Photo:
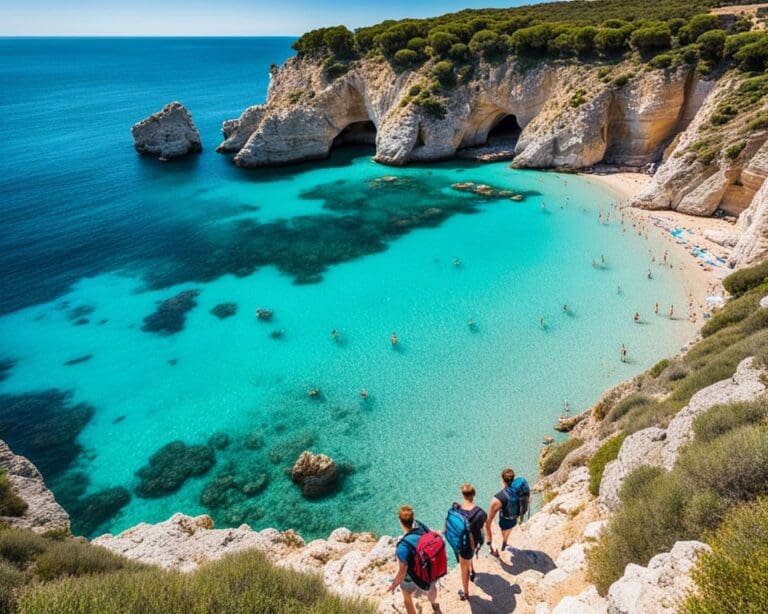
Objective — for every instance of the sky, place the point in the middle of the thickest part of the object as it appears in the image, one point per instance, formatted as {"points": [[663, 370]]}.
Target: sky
{"points": [[211, 17]]}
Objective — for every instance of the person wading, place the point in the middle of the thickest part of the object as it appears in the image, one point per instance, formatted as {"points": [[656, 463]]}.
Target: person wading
{"points": [[422, 560], [464, 532], [511, 503]]}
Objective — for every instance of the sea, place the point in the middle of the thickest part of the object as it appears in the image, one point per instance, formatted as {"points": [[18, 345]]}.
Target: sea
{"points": [[136, 373]]}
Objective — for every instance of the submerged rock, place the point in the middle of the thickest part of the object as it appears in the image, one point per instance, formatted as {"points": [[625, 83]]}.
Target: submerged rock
{"points": [[6, 365], [170, 466], [92, 511], [169, 133], [78, 360], [224, 310], [171, 314], [315, 473]]}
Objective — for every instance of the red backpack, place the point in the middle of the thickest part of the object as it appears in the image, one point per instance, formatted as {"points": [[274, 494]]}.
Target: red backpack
{"points": [[430, 562]]}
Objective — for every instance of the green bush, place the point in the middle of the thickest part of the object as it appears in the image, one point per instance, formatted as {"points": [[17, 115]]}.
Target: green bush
{"points": [[735, 42], [734, 151], [578, 98], [732, 578], [459, 51], [441, 42], [443, 72], [659, 368], [605, 454], [722, 419], [10, 580], [621, 80], [612, 41], [10, 503], [734, 311], [651, 38], [19, 547], [663, 60], [625, 406], [406, 57], [759, 122], [745, 279], [557, 453], [78, 558], [240, 583], [697, 26], [753, 57], [488, 44], [711, 44]]}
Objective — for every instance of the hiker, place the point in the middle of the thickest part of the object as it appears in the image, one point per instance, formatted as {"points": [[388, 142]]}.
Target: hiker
{"points": [[422, 560], [510, 503], [464, 532]]}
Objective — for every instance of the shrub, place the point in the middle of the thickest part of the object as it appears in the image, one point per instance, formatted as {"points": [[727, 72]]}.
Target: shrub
{"points": [[735, 42], [711, 44], [732, 578], [722, 419], [658, 368], [735, 310], [10, 503], [240, 583], [578, 98], [406, 57], [19, 547], [735, 150], [651, 38], [759, 122], [488, 43], [10, 580], [459, 51], [432, 106], [605, 454], [745, 279], [414, 90], [697, 26], [441, 42], [78, 558], [626, 405], [611, 41], [621, 80], [557, 453], [417, 44], [663, 60], [753, 57], [443, 72]]}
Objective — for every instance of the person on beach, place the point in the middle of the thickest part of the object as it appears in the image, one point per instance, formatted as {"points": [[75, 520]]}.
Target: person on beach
{"points": [[393, 339], [464, 532], [406, 551], [623, 353], [511, 503]]}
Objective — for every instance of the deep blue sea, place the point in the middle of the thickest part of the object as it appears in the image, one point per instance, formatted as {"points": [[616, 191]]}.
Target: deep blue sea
{"points": [[100, 372]]}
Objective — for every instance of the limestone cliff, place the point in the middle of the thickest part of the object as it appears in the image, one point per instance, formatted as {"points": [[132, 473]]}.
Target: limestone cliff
{"points": [[566, 115]]}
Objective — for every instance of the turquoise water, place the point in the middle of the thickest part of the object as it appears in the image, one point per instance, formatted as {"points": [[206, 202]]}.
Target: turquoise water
{"points": [[94, 238]]}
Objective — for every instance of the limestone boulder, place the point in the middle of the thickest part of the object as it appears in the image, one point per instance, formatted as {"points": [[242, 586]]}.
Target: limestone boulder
{"points": [[660, 587], [43, 513], [317, 474], [169, 133]]}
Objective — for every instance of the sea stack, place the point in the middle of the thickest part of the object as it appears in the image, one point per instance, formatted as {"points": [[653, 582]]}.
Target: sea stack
{"points": [[315, 473], [169, 133]]}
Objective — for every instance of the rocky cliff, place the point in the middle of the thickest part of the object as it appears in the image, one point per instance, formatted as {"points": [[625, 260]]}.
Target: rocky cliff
{"points": [[556, 115]]}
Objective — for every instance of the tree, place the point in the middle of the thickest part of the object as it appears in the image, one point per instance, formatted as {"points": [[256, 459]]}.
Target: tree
{"points": [[651, 38], [443, 72], [441, 42], [697, 25], [406, 57], [339, 41], [534, 39], [711, 44], [611, 41], [487, 43]]}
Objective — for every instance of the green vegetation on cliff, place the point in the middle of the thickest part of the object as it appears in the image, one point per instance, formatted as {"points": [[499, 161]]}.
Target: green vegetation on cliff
{"points": [[680, 30], [723, 468], [58, 574], [10, 503]]}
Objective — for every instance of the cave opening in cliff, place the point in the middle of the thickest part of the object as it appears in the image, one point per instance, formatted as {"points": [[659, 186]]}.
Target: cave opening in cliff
{"points": [[504, 129], [356, 133]]}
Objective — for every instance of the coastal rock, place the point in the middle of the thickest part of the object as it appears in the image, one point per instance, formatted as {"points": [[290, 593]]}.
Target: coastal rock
{"points": [[317, 474], [752, 228], [169, 133], [43, 513], [307, 114], [639, 449], [356, 566], [586, 602], [659, 588]]}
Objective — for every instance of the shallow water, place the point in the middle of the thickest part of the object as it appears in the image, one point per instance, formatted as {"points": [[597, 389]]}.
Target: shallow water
{"points": [[94, 237]]}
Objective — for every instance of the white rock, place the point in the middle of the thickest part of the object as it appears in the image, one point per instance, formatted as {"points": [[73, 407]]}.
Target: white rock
{"points": [[660, 587], [594, 529], [169, 133], [572, 559], [586, 602]]}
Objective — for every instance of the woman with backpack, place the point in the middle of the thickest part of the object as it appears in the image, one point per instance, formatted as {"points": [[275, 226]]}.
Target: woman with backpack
{"points": [[421, 557], [511, 503], [464, 532]]}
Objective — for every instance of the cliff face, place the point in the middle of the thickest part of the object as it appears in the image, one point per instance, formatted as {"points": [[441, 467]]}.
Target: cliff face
{"points": [[627, 125]]}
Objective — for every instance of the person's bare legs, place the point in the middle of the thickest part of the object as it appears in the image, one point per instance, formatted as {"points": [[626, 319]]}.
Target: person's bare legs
{"points": [[504, 538], [408, 601], [432, 596], [465, 566]]}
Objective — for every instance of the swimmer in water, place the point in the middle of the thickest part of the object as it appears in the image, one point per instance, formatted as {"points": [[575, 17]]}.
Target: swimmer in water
{"points": [[650, 275], [456, 262], [618, 290], [393, 339], [623, 353], [565, 308], [656, 309], [671, 312], [471, 324], [314, 393], [335, 335], [541, 322], [602, 259], [364, 394], [637, 317]]}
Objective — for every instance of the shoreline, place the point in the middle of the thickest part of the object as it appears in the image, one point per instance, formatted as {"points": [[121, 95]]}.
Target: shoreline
{"points": [[701, 280]]}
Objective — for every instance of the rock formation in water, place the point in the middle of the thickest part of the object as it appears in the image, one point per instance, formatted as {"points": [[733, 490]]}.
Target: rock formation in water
{"points": [[169, 133], [317, 474], [43, 513]]}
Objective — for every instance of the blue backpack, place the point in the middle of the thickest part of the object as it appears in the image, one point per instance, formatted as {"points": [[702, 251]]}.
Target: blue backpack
{"points": [[457, 530], [516, 505]]}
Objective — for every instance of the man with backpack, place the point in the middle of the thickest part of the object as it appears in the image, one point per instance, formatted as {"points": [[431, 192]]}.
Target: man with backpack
{"points": [[511, 503], [422, 559], [464, 532]]}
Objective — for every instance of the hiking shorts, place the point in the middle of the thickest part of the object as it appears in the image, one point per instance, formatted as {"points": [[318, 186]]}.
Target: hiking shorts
{"points": [[506, 523], [409, 586]]}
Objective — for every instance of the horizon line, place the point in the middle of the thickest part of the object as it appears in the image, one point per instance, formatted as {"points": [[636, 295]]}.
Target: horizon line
{"points": [[149, 36]]}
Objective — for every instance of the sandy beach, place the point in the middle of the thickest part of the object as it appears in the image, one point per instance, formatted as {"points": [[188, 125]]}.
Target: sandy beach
{"points": [[703, 272]]}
